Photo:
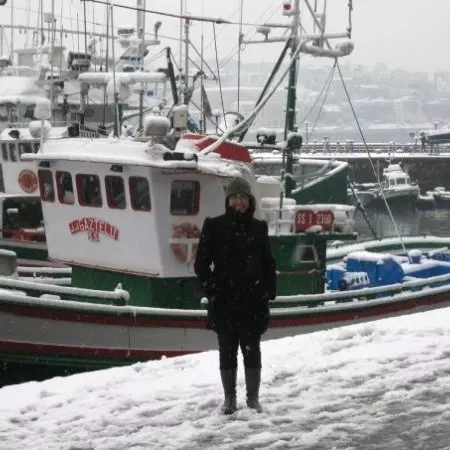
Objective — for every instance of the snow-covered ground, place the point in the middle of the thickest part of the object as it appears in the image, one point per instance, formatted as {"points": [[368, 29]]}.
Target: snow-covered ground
{"points": [[384, 385]]}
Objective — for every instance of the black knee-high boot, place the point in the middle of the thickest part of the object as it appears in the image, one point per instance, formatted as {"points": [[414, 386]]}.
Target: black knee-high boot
{"points": [[253, 381], [229, 389]]}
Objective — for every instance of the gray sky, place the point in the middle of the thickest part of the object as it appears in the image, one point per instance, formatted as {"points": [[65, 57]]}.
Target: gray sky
{"points": [[401, 33]]}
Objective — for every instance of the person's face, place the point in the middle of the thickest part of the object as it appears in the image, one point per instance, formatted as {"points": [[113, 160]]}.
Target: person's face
{"points": [[239, 202]]}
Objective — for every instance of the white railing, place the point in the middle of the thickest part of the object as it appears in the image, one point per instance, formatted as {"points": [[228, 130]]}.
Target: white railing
{"points": [[117, 294], [363, 294]]}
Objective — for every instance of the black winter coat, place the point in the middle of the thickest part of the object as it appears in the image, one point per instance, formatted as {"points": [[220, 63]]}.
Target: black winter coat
{"points": [[236, 270]]}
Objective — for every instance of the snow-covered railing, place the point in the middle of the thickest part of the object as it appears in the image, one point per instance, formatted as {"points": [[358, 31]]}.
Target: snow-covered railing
{"points": [[37, 271], [361, 294], [61, 281], [65, 291]]}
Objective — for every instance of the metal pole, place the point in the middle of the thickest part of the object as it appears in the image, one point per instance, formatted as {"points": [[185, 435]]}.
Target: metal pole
{"points": [[239, 56], [12, 32], [202, 83], [85, 30], [186, 58], [180, 89], [140, 25], [52, 62], [116, 96], [291, 103]]}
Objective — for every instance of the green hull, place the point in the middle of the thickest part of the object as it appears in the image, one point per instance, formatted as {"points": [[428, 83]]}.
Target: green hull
{"points": [[28, 253], [332, 188], [301, 271]]}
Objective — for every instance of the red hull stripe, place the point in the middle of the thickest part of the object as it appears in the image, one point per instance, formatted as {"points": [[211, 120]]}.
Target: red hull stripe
{"points": [[355, 314], [124, 319], [127, 319], [63, 350]]}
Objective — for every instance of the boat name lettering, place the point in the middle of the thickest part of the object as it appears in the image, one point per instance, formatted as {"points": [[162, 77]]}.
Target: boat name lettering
{"points": [[94, 227]]}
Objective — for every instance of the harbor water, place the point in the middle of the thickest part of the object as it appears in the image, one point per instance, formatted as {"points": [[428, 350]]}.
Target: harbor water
{"points": [[409, 221]]}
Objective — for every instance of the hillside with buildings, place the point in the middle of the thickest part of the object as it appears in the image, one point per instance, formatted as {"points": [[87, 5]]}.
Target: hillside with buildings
{"points": [[390, 104]]}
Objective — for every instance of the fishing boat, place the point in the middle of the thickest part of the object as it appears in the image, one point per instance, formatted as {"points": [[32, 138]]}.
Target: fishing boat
{"points": [[441, 197], [141, 201], [395, 188], [39, 72], [125, 215], [315, 180]]}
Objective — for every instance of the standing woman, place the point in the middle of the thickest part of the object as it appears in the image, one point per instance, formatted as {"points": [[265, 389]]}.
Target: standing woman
{"points": [[236, 270]]}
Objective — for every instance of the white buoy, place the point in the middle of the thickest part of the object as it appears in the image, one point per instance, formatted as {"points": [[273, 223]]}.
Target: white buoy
{"points": [[43, 111]]}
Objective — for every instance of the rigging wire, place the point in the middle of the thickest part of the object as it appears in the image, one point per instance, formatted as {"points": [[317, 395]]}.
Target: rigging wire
{"points": [[249, 119], [249, 34], [370, 157], [218, 75], [330, 79], [28, 23], [360, 206], [216, 20], [316, 101], [94, 24]]}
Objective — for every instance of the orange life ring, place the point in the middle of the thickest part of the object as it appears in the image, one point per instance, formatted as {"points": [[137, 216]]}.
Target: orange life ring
{"points": [[181, 251], [28, 181]]}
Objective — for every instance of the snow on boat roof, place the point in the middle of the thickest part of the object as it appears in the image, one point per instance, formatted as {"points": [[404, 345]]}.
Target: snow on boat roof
{"points": [[132, 153], [54, 133], [369, 256]]}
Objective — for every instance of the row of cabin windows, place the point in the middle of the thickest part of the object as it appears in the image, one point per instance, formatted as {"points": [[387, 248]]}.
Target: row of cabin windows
{"points": [[13, 150], [184, 195]]}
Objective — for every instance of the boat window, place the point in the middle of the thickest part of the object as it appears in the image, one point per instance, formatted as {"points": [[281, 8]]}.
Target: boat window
{"points": [[273, 169], [305, 253], [88, 189], [115, 192], [3, 113], [29, 112], [392, 183], [184, 198], [46, 185], [13, 152], [139, 193], [401, 181], [64, 186], [5, 152], [25, 147], [23, 214]]}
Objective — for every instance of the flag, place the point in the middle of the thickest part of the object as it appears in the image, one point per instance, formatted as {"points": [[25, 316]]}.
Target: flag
{"points": [[206, 105]]}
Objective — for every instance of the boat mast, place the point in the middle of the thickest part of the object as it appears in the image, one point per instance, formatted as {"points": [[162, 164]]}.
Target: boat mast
{"points": [[12, 31], [140, 27], [187, 24], [52, 62], [292, 83], [291, 103]]}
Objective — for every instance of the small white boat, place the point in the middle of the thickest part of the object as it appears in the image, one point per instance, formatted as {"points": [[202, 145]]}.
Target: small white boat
{"points": [[396, 188]]}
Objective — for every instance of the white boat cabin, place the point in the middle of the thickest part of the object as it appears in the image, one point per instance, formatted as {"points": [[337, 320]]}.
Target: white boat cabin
{"points": [[128, 206], [138, 207], [16, 175], [394, 177]]}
